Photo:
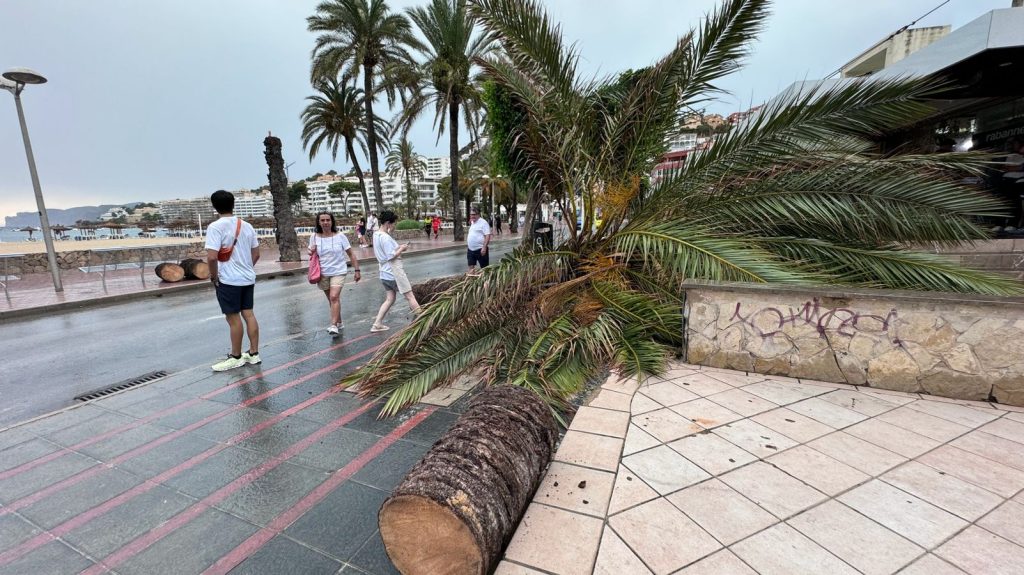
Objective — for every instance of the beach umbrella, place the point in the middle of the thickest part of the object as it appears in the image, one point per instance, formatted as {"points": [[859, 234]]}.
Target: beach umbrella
{"points": [[59, 229], [28, 229]]}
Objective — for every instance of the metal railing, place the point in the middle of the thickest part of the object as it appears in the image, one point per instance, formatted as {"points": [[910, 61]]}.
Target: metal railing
{"points": [[6, 277]]}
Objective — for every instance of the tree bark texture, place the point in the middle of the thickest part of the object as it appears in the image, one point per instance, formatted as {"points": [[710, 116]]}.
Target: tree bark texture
{"points": [[359, 174], [195, 269], [453, 152], [427, 291], [169, 272], [287, 241], [371, 136], [457, 508]]}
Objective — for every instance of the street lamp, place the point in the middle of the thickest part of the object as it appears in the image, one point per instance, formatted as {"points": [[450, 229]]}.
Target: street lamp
{"points": [[14, 82]]}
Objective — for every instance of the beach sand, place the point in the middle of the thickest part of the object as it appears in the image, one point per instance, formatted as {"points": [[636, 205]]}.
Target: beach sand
{"points": [[71, 246]]}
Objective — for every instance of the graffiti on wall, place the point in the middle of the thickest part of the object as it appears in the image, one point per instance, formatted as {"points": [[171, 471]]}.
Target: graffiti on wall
{"points": [[769, 321]]}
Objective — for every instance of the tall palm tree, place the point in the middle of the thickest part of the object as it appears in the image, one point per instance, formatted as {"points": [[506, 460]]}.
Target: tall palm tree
{"points": [[447, 81], [363, 36], [335, 117], [403, 161], [796, 194]]}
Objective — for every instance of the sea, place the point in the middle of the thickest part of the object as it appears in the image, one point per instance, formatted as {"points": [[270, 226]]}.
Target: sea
{"points": [[14, 235]]}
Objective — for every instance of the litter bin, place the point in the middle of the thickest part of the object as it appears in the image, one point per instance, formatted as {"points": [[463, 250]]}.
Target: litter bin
{"points": [[543, 235]]}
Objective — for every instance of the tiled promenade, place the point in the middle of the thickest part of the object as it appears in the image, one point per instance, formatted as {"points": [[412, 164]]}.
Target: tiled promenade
{"points": [[709, 472]]}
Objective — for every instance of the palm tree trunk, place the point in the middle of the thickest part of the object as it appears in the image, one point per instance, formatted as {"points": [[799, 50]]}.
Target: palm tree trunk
{"points": [[453, 150], [410, 203], [287, 241], [371, 136], [359, 174]]}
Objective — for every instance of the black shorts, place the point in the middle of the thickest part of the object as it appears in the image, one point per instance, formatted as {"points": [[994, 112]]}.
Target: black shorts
{"points": [[390, 285], [234, 299], [474, 257]]}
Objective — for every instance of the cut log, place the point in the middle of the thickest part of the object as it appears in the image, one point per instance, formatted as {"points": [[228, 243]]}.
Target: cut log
{"points": [[195, 269], [425, 292], [457, 508], [169, 272]]}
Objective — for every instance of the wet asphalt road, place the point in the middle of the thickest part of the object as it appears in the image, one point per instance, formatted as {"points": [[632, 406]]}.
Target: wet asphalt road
{"points": [[46, 361]]}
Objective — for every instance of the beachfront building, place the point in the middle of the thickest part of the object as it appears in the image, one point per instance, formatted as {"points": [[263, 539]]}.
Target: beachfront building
{"points": [[438, 168], [318, 199], [140, 214], [188, 210], [114, 213], [254, 204]]}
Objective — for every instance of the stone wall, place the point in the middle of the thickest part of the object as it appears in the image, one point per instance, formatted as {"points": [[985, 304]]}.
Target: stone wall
{"points": [[965, 347], [74, 259]]}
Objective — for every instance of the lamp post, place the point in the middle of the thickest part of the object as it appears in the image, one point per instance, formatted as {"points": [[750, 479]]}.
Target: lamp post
{"points": [[14, 81]]}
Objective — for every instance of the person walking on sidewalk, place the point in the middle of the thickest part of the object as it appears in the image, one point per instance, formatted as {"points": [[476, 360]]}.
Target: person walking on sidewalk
{"points": [[331, 247], [372, 225], [476, 242], [361, 232], [232, 250], [435, 225], [389, 256]]}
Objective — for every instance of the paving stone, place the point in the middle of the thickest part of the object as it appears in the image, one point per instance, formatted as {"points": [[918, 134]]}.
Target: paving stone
{"points": [[741, 402], [860, 402], [123, 442], [665, 425], [271, 494], [818, 470], [192, 414], [712, 453], [978, 551], [53, 558], [614, 557], [428, 431], [282, 555], [280, 436], [943, 490], [783, 393], [561, 487], [215, 472], [664, 469], [701, 384], [330, 408], [667, 393], [534, 545], [721, 511], [600, 421], [662, 536], [857, 453], [1007, 429], [166, 455], [966, 416], [1007, 522], [14, 436], [864, 544], [911, 517], [607, 399], [336, 449], [372, 558], [32, 480], [782, 550], [642, 404], [637, 440], [923, 424], [620, 384], [629, 490], [754, 438], [14, 530], [79, 498], [799, 428], [931, 565], [828, 413], [895, 439], [705, 413], [993, 476], [342, 522], [720, 563], [388, 469], [590, 450], [64, 419], [509, 568], [993, 447], [772, 489], [24, 452]]}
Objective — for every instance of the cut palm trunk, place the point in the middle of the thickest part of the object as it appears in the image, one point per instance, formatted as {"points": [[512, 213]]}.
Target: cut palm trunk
{"points": [[195, 269], [427, 291], [457, 508], [169, 272]]}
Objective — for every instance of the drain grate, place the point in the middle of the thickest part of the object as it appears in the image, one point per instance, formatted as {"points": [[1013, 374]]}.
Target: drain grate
{"points": [[97, 393]]}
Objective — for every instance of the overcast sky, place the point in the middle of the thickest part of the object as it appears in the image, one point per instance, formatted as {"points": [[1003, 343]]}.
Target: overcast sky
{"points": [[152, 100]]}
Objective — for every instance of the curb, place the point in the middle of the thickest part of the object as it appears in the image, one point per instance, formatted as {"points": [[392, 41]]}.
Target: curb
{"points": [[193, 285]]}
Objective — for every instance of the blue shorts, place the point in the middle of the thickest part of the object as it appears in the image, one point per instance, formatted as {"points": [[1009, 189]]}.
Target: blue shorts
{"points": [[234, 299], [474, 257]]}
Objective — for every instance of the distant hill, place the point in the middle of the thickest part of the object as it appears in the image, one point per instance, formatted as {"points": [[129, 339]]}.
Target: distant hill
{"points": [[67, 217]]}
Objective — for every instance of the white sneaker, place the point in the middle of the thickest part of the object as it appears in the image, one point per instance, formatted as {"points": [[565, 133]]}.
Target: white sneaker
{"points": [[251, 359], [333, 330], [228, 363]]}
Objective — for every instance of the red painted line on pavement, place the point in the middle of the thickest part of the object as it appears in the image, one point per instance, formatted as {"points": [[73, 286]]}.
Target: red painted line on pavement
{"points": [[149, 446], [116, 431], [60, 530], [154, 535], [286, 518]]}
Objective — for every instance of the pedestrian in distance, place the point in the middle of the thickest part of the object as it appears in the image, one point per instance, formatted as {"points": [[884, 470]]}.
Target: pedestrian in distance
{"points": [[361, 232], [331, 247], [477, 238], [392, 275], [232, 250], [497, 224], [372, 225], [435, 225]]}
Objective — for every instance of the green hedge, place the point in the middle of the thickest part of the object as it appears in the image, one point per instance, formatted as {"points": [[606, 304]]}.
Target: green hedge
{"points": [[409, 225]]}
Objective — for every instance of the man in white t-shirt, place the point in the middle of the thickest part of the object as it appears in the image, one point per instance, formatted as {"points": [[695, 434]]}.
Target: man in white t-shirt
{"points": [[476, 241], [372, 225], [232, 250], [392, 275]]}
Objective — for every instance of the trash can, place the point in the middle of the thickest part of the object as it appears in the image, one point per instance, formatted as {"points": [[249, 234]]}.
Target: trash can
{"points": [[543, 235]]}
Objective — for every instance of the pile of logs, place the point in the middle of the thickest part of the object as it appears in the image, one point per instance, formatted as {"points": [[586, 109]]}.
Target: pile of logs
{"points": [[457, 508], [191, 268]]}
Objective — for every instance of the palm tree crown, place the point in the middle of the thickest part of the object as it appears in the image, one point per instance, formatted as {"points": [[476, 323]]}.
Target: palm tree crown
{"points": [[447, 76], [334, 118], [404, 162], [363, 36], [796, 194]]}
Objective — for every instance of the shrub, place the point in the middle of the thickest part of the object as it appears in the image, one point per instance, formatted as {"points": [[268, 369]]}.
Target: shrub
{"points": [[409, 225]]}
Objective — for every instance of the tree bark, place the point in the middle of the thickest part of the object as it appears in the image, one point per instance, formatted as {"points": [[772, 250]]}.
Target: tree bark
{"points": [[287, 241], [359, 174], [371, 135], [453, 151], [195, 269], [457, 508], [169, 272], [427, 291]]}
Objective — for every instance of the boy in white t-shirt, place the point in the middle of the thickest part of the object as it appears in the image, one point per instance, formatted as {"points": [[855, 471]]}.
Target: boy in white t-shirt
{"points": [[234, 278], [392, 276]]}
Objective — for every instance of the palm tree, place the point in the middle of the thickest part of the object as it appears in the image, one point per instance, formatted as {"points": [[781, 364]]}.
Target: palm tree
{"points": [[335, 117], [796, 194], [447, 82], [363, 36], [402, 161]]}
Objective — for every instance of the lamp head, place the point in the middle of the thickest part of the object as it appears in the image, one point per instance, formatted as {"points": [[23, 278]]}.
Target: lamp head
{"points": [[24, 76], [8, 85]]}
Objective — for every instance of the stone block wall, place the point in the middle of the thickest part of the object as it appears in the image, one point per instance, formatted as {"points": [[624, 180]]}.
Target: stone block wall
{"points": [[965, 347]]}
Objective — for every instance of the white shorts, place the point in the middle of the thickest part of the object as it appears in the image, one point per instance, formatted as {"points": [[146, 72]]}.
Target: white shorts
{"points": [[401, 279]]}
